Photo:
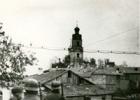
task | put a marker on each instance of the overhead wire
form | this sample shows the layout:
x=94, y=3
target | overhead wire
x=86, y=51
x=91, y=51
x=112, y=36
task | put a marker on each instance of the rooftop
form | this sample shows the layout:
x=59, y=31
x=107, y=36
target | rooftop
x=81, y=90
x=88, y=71
x=48, y=76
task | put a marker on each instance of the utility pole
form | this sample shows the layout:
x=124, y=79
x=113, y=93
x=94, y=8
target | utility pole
x=40, y=91
x=62, y=92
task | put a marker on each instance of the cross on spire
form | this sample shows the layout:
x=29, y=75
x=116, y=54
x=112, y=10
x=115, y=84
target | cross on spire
x=76, y=23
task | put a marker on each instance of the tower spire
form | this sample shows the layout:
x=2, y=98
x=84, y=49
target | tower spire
x=76, y=23
x=76, y=29
x=76, y=50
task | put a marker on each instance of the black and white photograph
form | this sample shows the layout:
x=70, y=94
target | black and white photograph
x=69, y=50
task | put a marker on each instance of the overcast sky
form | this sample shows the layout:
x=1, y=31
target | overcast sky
x=50, y=23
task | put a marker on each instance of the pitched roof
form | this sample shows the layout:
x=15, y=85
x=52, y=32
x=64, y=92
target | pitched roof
x=48, y=76
x=84, y=72
x=70, y=89
x=107, y=71
x=52, y=74
x=87, y=72
x=129, y=70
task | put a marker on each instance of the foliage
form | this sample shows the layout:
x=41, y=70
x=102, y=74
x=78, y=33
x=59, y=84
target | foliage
x=13, y=60
x=124, y=64
x=100, y=63
x=67, y=60
x=92, y=61
x=60, y=64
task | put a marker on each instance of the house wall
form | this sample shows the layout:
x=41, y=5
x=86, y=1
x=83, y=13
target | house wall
x=98, y=79
x=112, y=82
x=106, y=81
x=96, y=98
x=130, y=79
x=70, y=78
x=134, y=77
x=75, y=98
x=107, y=97
x=134, y=81
x=124, y=84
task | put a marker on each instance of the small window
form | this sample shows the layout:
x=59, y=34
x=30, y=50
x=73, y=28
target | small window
x=87, y=98
x=79, y=80
x=136, y=69
x=103, y=97
x=0, y=93
x=78, y=55
x=118, y=69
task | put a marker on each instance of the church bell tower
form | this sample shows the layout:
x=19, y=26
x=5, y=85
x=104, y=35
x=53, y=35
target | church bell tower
x=76, y=49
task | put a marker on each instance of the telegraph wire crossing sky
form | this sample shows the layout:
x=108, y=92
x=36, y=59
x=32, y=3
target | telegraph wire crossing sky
x=111, y=25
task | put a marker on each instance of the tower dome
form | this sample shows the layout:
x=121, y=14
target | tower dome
x=76, y=29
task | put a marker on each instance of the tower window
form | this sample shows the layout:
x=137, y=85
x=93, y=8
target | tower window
x=78, y=55
x=78, y=44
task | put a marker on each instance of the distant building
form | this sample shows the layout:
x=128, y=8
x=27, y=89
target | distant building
x=76, y=48
x=109, y=64
x=107, y=78
x=131, y=75
x=112, y=83
x=74, y=86
x=124, y=81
